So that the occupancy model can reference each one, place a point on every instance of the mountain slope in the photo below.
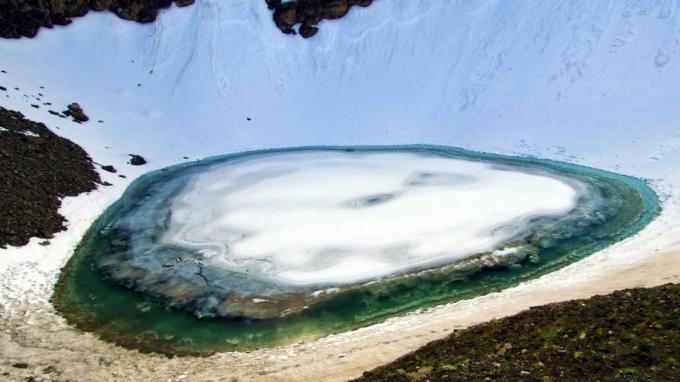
(567, 79)
(629, 335)
(37, 168)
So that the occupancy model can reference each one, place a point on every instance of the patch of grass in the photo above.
(550, 334)
(597, 356)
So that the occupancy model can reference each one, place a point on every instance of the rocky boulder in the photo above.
(76, 112)
(309, 13)
(136, 160)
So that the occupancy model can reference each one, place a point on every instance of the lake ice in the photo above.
(333, 217)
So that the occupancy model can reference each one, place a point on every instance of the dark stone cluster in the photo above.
(75, 111)
(23, 18)
(309, 13)
(136, 160)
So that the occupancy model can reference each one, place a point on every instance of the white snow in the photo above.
(335, 217)
(29, 133)
(575, 80)
(591, 82)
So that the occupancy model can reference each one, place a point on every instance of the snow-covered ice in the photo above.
(337, 217)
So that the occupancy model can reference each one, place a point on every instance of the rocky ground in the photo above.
(629, 335)
(37, 168)
(24, 18)
(309, 13)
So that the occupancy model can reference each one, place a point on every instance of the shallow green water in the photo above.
(128, 318)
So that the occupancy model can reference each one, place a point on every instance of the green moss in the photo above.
(550, 334)
(626, 372)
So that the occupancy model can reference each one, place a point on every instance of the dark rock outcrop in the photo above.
(23, 18)
(109, 168)
(309, 13)
(136, 160)
(37, 169)
(76, 112)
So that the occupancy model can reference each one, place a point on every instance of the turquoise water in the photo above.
(90, 300)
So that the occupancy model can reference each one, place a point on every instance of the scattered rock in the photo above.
(109, 168)
(20, 365)
(76, 112)
(4, 89)
(35, 106)
(285, 16)
(183, 3)
(136, 160)
(307, 31)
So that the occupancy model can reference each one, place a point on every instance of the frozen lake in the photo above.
(266, 247)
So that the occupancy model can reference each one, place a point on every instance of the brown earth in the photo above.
(37, 168)
(629, 335)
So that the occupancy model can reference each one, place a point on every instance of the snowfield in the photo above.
(593, 83)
